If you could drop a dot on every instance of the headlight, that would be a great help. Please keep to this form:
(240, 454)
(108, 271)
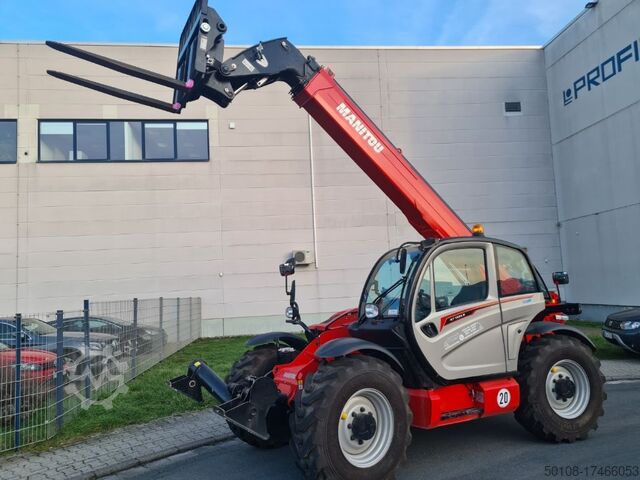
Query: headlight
(629, 325)
(289, 313)
(95, 346)
(371, 311)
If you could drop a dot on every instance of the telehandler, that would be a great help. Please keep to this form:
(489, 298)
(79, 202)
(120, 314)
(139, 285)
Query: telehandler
(448, 329)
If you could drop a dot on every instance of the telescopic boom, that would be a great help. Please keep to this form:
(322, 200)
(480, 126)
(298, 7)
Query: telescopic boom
(201, 72)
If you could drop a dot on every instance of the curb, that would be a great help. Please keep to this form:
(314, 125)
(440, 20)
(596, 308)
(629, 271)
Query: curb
(623, 378)
(152, 457)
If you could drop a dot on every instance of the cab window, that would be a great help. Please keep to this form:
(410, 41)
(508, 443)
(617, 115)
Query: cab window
(515, 276)
(460, 277)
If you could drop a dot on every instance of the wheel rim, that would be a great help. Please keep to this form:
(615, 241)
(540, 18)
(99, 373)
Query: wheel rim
(568, 389)
(365, 428)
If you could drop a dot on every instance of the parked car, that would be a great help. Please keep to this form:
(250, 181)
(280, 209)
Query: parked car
(147, 339)
(623, 329)
(37, 368)
(103, 349)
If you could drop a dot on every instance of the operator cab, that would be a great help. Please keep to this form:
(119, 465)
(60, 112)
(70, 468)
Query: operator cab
(464, 303)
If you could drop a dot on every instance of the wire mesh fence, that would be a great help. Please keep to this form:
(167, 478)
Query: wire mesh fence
(52, 365)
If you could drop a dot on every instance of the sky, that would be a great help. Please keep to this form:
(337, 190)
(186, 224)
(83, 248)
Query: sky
(322, 22)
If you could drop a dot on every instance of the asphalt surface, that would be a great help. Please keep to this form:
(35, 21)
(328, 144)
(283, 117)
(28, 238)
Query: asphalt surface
(485, 449)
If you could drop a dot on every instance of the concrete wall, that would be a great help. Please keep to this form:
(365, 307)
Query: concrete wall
(596, 151)
(218, 230)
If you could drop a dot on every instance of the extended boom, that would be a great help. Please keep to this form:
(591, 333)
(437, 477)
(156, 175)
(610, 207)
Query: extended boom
(201, 72)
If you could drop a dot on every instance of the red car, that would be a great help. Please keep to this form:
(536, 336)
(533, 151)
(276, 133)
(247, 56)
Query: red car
(38, 369)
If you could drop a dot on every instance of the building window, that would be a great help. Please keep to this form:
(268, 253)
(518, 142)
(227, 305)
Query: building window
(121, 141)
(125, 140)
(91, 141)
(8, 141)
(159, 141)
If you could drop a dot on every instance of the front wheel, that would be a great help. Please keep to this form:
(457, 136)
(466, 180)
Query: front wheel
(351, 421)
(562, 389)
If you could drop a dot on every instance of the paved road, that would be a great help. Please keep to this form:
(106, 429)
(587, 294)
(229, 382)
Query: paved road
(486, 449)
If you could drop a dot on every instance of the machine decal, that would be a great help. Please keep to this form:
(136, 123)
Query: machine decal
(504, 398)
(454, 317)
(360, 127)
(247, 64)
(463, 335)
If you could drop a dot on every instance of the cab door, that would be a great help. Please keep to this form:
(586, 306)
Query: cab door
(521, 298)
(456, 315)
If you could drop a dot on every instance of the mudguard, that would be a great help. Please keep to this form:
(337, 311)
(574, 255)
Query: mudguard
(341, 347)
(544, 328)
(281, 337)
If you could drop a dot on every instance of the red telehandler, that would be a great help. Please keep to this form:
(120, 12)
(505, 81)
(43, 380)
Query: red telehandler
(449, 329)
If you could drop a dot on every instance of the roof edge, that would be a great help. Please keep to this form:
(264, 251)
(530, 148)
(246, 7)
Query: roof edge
(323, 47)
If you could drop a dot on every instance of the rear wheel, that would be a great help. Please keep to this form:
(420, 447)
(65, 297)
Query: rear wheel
(257, 363)
(351, 421)
(562, 389)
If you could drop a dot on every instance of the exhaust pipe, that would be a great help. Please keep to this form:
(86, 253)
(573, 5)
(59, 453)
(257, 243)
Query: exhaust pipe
(200, 375)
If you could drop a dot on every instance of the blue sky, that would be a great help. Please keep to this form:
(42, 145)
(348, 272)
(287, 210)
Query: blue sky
(323, 22)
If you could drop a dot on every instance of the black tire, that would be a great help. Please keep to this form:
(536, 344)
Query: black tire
(318, 409)
(535, 413)
(257, 363)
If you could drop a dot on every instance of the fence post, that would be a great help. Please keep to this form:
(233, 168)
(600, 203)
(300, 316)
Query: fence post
(161, 302)
(18, 389)
(178, 320)
(87, 351)
(59, 370)
(134, 355)
(190, 318)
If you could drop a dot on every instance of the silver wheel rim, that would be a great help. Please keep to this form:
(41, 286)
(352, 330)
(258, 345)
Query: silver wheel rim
(366, 453)
(568, 408)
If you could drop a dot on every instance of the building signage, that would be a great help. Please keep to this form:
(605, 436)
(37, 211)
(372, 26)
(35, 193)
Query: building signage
(600, 74)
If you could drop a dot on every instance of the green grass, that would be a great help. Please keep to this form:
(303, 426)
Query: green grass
(605, 350)
(149, 396)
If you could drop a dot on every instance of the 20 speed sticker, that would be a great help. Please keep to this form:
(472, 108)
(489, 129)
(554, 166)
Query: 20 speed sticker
(504, 398)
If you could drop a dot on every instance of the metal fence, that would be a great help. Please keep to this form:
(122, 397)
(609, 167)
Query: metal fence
(53, 365)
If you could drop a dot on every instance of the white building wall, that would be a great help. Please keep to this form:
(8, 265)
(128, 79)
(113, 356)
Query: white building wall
(219, 229)
(596, 150)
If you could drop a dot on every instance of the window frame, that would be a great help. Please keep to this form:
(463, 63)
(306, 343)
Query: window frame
(15, 122)
(108, 122)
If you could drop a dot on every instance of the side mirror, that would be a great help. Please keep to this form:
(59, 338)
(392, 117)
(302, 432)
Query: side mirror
(288, 268)
(560, 278)
(403, 261)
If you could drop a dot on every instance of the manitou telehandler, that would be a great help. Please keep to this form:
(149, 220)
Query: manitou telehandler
(449, 329)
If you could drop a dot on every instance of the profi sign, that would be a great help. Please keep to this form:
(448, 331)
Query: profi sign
(608, 69)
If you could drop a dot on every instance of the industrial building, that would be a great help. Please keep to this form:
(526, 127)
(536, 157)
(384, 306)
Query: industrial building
(104, 199)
